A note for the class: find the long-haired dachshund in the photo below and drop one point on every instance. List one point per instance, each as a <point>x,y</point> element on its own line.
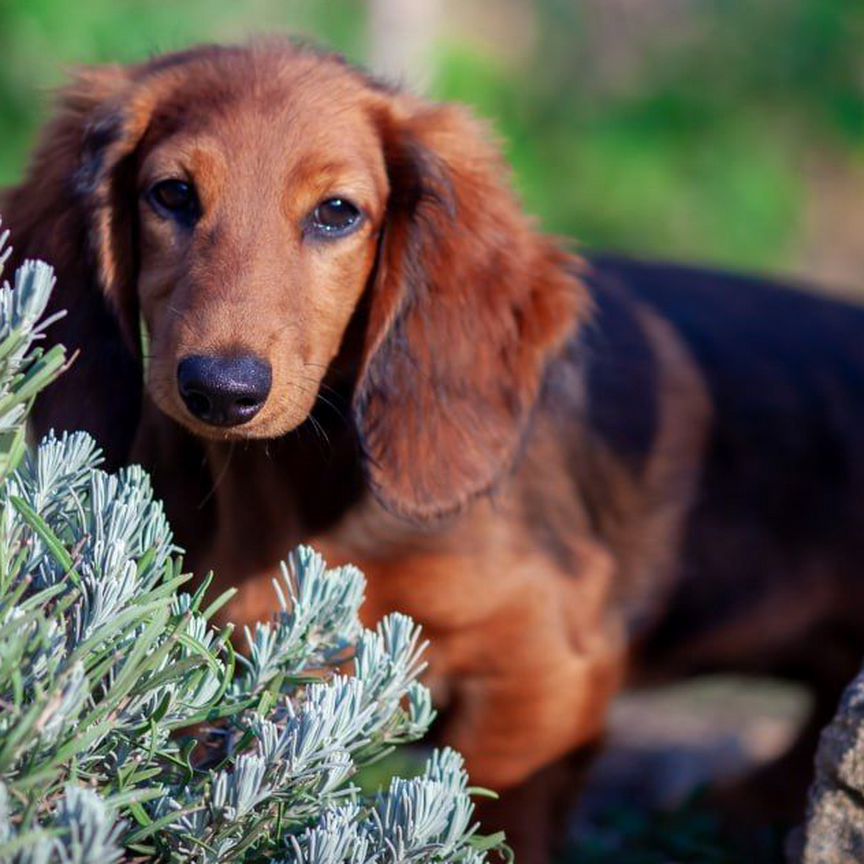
<point>570,472</point>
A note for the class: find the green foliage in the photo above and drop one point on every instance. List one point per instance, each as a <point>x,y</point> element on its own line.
<point>105,663</point>
<point>697,148</point>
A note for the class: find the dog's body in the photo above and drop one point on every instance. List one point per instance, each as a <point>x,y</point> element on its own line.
<point>568,472</point>
<point>768,579</point>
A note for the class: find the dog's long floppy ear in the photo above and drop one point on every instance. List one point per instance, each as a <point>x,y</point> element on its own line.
<point>76,209</point>
<point>469,305</point>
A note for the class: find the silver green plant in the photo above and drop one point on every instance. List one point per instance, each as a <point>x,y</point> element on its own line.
<point>105,661</point>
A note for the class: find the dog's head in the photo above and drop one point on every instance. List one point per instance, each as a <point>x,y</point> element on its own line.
<point>249,205</point>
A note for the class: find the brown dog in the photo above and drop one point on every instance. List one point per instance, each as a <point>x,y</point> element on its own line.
<point>357,339</point>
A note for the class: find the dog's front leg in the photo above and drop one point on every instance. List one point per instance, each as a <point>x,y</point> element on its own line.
<point>510,726</point>
<point>516,730</point>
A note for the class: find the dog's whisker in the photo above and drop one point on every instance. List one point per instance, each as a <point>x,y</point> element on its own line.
<point>319,429</point>
<point>323,399</point>
<point>219,477</point>
<point>335,408</point>
<point>322,385</point>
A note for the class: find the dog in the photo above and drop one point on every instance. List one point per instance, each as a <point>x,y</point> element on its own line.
<point>574,472</point>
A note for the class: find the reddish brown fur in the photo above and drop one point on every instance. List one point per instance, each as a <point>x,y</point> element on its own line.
<point>467,475</point>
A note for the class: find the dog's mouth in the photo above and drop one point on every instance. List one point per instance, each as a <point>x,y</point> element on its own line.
<point>247,423</point>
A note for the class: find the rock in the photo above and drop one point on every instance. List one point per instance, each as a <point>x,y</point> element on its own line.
<point>833,832</point>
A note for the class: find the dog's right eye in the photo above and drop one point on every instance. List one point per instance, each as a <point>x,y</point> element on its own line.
<point>335,217</point>
<point>175,199</point>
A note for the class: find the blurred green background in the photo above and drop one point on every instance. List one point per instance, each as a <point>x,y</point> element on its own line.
<point>725,131</point>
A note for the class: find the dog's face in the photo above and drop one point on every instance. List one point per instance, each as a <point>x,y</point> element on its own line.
<point>252,206</point>
<point>258,224</point>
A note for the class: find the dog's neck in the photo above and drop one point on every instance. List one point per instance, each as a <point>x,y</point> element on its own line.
<point>301,483</point>
<point>252,494</point>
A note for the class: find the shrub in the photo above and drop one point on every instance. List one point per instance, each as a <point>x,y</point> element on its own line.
<point>105,661</point>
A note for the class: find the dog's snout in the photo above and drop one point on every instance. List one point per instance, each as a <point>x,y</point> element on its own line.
<point>224,391</point>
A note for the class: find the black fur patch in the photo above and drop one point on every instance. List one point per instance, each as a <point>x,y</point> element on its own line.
<point>99,136</point>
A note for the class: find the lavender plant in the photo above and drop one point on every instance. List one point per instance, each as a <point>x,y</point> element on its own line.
<point>106,658</point>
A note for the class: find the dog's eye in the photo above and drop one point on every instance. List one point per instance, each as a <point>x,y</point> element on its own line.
<point>175,198</point>
<point>335,217</point>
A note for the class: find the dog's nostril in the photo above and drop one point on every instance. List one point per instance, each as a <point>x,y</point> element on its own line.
<point>197,403</point>
<point>224,391</point>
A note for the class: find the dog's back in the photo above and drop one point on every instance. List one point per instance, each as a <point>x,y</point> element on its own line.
<point>774,539</point>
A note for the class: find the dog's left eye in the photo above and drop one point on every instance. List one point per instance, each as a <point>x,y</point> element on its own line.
<point>177,199</point>
<point>335,217</point>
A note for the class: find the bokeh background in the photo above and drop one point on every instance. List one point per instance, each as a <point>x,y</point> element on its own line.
<point>727,132</point>
<point>723,131</point>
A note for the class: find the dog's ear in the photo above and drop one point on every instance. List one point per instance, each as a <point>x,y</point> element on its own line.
<point>76,209</point>
<point>469,304</point>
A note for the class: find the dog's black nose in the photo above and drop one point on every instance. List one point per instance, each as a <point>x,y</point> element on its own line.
<point>224,391</point>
